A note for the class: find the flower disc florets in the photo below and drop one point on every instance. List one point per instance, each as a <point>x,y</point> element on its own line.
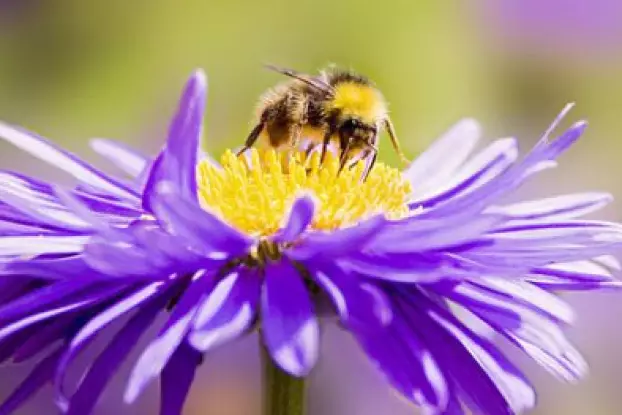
<point>255,193</point>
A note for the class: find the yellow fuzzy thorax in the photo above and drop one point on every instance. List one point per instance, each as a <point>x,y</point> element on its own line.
<point>255,196</point>
<point>356,99</point>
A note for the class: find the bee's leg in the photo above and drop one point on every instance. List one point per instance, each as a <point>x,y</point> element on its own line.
<point>299,118</point>
<point>343,157</point>
<point>370,160</point>
<point>325,141</point>
<point>362,155</point>
<point>296,133</point>
<point>309,149</point>
<point>394,141</point>
<point>252,138</point>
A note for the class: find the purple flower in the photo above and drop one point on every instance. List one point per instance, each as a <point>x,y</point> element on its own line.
<point>258,241</point>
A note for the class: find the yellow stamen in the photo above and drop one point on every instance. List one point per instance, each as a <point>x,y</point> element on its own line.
<point>256,196</point>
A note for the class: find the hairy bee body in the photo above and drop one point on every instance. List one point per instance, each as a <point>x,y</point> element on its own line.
<point>336,106</point>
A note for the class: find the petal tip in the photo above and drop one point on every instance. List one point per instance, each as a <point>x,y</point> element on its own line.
<point>199,79</point>
<point>469,125</point>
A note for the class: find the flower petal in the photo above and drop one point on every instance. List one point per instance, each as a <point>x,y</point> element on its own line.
<point>300,216</point>
<point>177,162</point>
<point>48,152</point>
<point>96,324</point>
<point>20,246</point>
<point>398,352</point>
<point>79,302</point>
<point>541,156</point>
<point>341,242</point>
<point>205,232</point>
<point>554,208</point>
<point>541,339</point>
<point>357,302</point>
<point>122,156</point>
<point>485,166</point>
<point>41,298</point>
<point>177,378</point>
<point>489,383</point>
<point>228,310</point>
<point>438,163</point>
<point>290,329</point>
<point>39,376</point>
<point>155,357</point>
<point>108,362</point>
<point>37,204</point>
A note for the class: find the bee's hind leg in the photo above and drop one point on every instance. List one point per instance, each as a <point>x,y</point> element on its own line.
<point>252,138</point>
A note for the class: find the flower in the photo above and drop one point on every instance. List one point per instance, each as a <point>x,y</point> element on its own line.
<point>255,241</point>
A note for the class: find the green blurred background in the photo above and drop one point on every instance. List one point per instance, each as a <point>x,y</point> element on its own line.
<point>72,69</point>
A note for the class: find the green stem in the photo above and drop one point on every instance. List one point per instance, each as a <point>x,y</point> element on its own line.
<point>282,393</point>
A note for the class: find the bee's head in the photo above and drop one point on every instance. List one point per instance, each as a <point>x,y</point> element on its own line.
<point>356,132</point>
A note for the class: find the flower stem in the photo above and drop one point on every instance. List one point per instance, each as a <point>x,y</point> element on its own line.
<point>283,394</point>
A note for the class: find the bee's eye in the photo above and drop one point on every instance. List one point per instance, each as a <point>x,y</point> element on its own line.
<point>349,126</point>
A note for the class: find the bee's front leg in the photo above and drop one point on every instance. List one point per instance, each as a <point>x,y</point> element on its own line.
<point>252,138</point>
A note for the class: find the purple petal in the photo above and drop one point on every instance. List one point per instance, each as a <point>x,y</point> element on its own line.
<point>98,323</point>
<point>153,238</point>
<point>48,152</point>
<point>439,162</point>
<point>398,352</point>
<point>290,329</point>
<point>108,362</point>
<point>41,206</point>
<point>486,165</point>
<point>454,406</point>
<point>155,357</point>
<point>489,382</point>
<point>550,150</point>
<point>12,288</point>
<point>204,231</point>
<point>542,156</point>
<point>43,337</point>
<point>554,208</point>
<point>427,235</point>
<point>41,298</point>
<point>77,303</point>
<point>511,297</point>
<point>177,162</point>
<point>572,274</point>
<point>20,246</point>
<point>300,216</point>
<point>405,268</point>
<point>9,346</point>
<point>546,137</point>
<point>358,303</point>
<point>177,378</point>
<point>339,243</point>
<point>39,376</point>
<point>228,310</point>
<point>126,158</point>
<point>542,340</point>
<point>104,256</point>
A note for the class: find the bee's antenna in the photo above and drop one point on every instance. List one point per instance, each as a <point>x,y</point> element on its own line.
<point>314,82</point>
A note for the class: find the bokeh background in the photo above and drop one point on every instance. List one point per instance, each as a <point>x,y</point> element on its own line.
<point>73,69</point>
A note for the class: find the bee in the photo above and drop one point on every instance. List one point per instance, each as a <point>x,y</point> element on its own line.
<point>337,106</point>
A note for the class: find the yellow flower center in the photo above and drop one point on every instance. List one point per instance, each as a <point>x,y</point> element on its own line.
<point>255,196</point>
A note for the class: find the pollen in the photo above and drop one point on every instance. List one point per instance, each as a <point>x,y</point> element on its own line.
<point>255,192</point>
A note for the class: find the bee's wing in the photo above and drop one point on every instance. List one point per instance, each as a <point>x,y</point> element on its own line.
<point>313,81</point>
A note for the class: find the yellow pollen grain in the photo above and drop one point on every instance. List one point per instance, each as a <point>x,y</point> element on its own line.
<point>255,195</point>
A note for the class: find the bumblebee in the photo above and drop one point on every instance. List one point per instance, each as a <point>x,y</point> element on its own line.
<point>337,106</point>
